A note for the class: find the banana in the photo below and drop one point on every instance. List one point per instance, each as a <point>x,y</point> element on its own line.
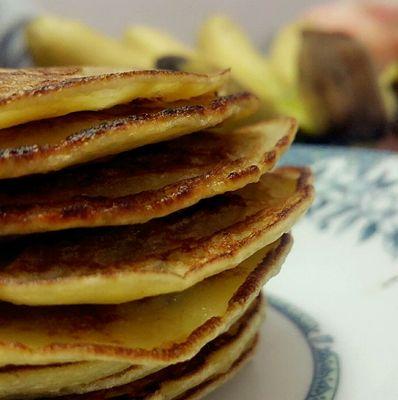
<point>223,44</point>
<point>388,82</point>
<point>282,79</point>
<point>57,41</point>
<point>155,42</point>
<point>165,51</point>
<point>287,57</point>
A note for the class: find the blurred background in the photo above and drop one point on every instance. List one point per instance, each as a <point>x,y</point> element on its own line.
<point>181,18</point>
<point>332,65</point>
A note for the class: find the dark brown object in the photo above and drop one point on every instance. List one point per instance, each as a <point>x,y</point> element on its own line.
<point>339,82</point>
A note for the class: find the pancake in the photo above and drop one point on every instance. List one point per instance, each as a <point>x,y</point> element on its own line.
<point>79,378</point>
<point>213,383</point>
<point>116,265</point>
<point>37,93</point>
<point>214,360</point>
<point>161,330</point>
<point>140,185</point>
<point>17,382</point>
<point>57,143</point>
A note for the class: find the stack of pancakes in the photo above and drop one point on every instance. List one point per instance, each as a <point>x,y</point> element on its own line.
<point>138,225</point>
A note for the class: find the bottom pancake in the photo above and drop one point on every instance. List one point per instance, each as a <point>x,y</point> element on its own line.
<point>216,381</point>
<point>212,366</point>
<point>142,382</point>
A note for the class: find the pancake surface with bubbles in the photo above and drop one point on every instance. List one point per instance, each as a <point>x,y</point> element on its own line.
<point>156,331</point>
<point>109,379</point>
<point>147,183</point>
<point>53,144</point>
<point>119,264</point>
<point>38,93</point>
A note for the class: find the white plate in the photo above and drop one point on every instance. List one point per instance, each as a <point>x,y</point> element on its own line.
<point>332,326</point>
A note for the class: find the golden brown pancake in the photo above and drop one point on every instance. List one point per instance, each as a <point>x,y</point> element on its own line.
<point>25,382</point>
<point>216,381</point>
<point>91,376</point>
<point>115,265</point>
<point>149,182</point>
<point>57,143</point>
<point>156,331</point>
<point>38,93</point>
<point>215,360</point>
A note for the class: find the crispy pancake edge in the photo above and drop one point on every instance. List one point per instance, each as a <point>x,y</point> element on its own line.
<point>76,81</point>
<point>212,384</point>
<point>120,380</point>
<point>115,137</point>
<point>19,353</point>
<point>91,89</point>
<point>242,334</point>
<point>24,293</point>
<point>131,209</point>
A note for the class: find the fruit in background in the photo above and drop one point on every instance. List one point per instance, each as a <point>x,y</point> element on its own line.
<point>284,52</point>
<point>337,78</point>
<point>54,41</point>
<point>221,42</point>
<point>389,84</point>
<point>374,24</point>
<point>283,58</point>
<point>351,100</point>
<point>164,50</point>
<point>336,95</point>
<point>155,43</point>
<point>224,44</point>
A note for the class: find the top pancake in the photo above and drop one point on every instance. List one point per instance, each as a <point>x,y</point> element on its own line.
<point>146,183</point>
<point>53,144</point>
<point>38,93</point>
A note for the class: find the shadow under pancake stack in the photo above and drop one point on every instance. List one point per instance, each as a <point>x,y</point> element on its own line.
<point>140,217</point>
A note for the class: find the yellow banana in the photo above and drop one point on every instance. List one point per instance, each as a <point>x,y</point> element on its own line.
<point>57,41</point>
<point>388,78</point>
<point>154,42</point>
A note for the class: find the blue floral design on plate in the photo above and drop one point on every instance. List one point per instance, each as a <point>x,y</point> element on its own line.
<point>355,188</point>
<point>326,373</point>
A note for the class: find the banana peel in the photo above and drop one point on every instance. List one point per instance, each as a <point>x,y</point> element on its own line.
<point>388,82</point>
<point>223,44</point>
<point>54,41</point>
<point>283,58</point>
<point>298,78</point>
<point>164,50</point>
<point>333,78</point>
<point>287,80</point>
<point>337,78</point>
<point>155,43</point>
<point>284,53</point>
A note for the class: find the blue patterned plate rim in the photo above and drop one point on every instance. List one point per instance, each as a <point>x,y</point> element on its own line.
<point>357,189</point>
<point>326,366</point>
<point>301,154</point>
